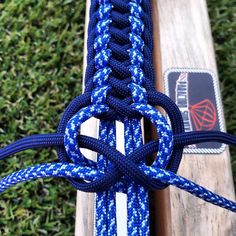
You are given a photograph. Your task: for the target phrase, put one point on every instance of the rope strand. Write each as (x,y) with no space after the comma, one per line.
(119,87)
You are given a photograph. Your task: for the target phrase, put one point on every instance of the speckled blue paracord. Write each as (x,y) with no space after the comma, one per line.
(138,208)
(119,87)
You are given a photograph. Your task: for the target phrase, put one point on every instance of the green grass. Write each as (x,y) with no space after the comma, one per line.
(41,45)
(223,23)
(41,52)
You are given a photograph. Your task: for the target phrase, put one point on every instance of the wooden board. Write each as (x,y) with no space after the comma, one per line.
(183,39)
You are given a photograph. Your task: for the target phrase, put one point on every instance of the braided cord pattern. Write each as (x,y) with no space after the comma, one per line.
(138,207)
(119,86)
(106,48)
(105,201)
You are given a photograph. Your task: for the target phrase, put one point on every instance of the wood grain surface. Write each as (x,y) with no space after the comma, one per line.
(183,40)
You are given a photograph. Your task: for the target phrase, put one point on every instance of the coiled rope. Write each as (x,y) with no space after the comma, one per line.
(119,87)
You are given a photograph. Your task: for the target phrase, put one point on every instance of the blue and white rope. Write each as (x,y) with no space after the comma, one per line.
(138,207)
(105,201)
(86,170)
(83,172)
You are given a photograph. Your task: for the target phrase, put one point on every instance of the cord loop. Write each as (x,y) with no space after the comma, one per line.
(83,102)
(163,130)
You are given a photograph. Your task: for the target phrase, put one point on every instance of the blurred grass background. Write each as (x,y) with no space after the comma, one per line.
(223,23)
(41,53)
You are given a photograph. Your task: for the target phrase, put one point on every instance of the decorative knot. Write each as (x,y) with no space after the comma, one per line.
(81,109)
(121,164)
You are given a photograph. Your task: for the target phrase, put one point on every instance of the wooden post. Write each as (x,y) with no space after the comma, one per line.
(183,40)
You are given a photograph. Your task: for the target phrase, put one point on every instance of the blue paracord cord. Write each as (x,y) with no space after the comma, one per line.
(122,165)
(137,196)
(105,201)
(119,87)
(81,172)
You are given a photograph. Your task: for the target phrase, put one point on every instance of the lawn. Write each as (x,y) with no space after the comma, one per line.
(223,23)
(41,45)
(41,53)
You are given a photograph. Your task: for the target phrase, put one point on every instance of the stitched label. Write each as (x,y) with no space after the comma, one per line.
(196,92)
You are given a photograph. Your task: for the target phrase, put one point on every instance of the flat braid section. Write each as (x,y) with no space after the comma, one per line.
(119,60)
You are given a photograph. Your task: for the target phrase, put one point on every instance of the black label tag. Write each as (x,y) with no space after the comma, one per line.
(196,92)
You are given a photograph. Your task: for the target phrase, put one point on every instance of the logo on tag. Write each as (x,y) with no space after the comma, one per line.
(196,93)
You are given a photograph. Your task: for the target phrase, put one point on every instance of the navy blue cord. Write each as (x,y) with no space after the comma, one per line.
(122,165)
(57,140)
(119,86)
(155,98)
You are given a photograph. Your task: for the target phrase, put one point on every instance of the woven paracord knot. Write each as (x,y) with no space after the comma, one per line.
(163,130)
(122,41)
(113,170)
(103,54)
(80,103)
(119,25)
(139,93)
(101,86)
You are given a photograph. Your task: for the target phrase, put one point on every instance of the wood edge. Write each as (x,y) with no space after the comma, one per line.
(157,64)
(84,225)
(162,208)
